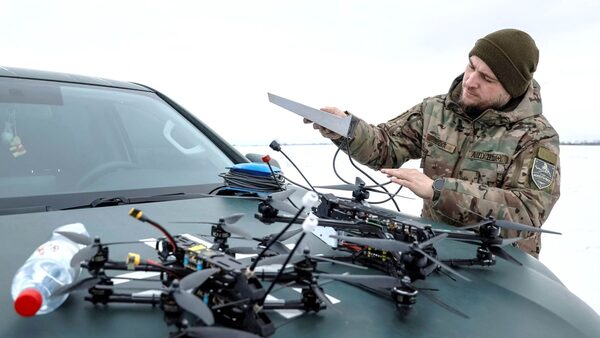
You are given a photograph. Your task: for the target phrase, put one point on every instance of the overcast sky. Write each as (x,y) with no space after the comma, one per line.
(374,58)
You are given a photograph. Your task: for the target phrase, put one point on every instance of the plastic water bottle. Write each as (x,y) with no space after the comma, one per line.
(47,269)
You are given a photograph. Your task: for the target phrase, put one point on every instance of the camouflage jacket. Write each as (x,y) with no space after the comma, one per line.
(503,164)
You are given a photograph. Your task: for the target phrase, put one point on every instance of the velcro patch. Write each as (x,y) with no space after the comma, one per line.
(542,173)
(547,155)
(490,157)
(442,144)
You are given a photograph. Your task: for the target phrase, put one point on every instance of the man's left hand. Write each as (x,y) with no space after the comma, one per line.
(413,179)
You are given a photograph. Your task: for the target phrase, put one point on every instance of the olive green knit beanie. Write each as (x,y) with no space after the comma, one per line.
(513,57)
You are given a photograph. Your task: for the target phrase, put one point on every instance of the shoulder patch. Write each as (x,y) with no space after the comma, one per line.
(542,173)
(547,155)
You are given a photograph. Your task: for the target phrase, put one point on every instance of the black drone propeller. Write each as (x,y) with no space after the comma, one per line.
(277,247)
(180,291)
(91,246)
(275,200)
(507,225)
(81,284)
(490,243)
(399,246)
(373,281)
(226,224)
(280,259)
(376,283)
(304,265)
(190,302)
(357,186)
(488,237)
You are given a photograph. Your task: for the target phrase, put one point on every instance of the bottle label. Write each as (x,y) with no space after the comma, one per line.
(54,249)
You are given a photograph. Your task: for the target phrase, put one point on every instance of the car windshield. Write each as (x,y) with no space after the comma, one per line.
(60,138)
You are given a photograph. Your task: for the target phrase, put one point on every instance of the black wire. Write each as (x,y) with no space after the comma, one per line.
(165,232)
(389,198)
(334,169)
(345,143)
(275,239)
(217,188)
(287,260)
(292,203)
(139,215)
(298,184)
(275,178)
(301,174)
(237,179)
(374,181)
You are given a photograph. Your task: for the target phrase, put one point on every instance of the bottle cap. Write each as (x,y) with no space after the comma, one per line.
(28,302)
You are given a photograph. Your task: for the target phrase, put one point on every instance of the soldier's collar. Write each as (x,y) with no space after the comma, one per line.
(530,105)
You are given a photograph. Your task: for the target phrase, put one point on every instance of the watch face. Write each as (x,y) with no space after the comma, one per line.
(438,184)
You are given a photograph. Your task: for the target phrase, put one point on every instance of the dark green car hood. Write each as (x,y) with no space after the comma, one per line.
(505,300)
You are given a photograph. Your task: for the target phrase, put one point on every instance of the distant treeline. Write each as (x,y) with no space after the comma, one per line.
(581,143)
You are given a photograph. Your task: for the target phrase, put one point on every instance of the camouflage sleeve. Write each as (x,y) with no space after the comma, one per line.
(387,145)
(529,190)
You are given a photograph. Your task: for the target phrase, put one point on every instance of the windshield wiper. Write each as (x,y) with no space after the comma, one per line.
(24,210)
(121,200)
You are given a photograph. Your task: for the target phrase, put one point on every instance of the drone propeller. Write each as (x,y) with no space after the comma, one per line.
(280,259)
(81,284)
(276,247)
(190,302)
(399,246)
(374,281)
(285,236)
(91,246)
(276,200)
(197,278)
(496,242)
(84,254)
(77,237)
(508,225)
(359,184)
(226,224)
(194,305)
(215,332)
(495,247)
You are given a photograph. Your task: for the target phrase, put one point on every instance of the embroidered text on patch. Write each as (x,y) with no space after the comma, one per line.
(444,145)
(542,173)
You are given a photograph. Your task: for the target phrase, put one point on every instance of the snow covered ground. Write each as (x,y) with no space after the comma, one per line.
(574,257)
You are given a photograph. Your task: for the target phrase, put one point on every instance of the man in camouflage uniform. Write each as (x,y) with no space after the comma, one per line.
(485,147)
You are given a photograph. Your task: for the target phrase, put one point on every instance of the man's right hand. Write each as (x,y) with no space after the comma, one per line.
(324,131)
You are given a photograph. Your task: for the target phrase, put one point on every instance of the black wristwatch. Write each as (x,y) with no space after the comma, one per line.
(437,187)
